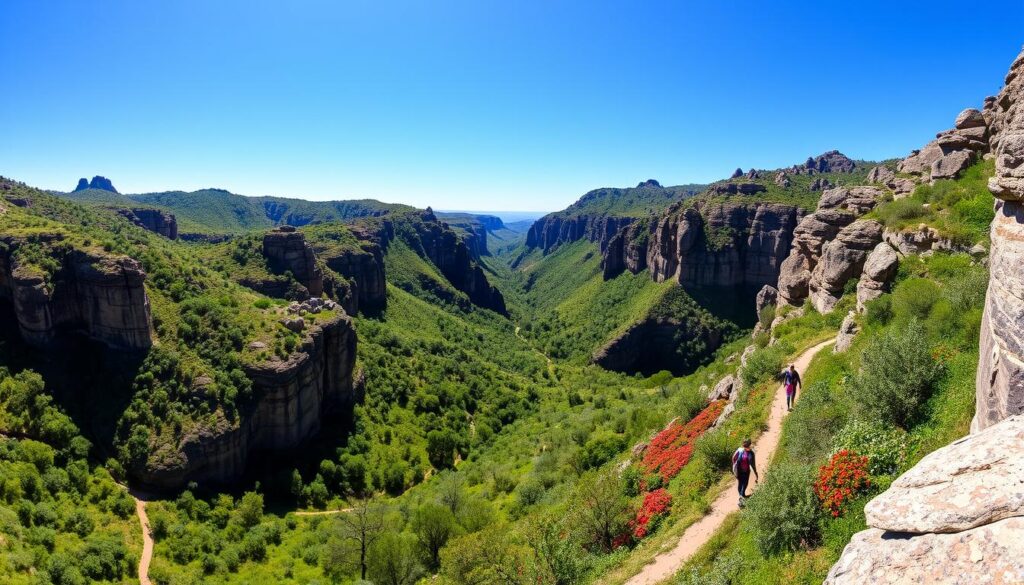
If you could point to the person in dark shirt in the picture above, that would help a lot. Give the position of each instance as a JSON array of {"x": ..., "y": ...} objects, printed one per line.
[
  {"x": 743, "y": 462},
  {"x": 791, "y": 379}
]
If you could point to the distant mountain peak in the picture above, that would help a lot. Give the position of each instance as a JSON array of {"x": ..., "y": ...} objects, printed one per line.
[
  {"x": 97, "y": 182},
  {"x": 648, "y": 183}
]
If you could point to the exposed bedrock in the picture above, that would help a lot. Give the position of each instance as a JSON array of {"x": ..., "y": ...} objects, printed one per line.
[
  {"x": 287, "y": 251},
  {"x": 291, "y": 398},
  {"x": 653, "y": 345},
  {"x": 553, "y": 230},
  {"x": 100, "y": 294},
  {"x": 154, "y": 220},
  {"x": 842, "y": 259}
]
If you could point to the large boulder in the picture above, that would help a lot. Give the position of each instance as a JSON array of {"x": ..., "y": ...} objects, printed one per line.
[
  {"x": 949, "y": 166},
  {"x": 847, "y": 331},
  {"x": 766, "y": 297},
  {"x": 858, "y": 200},
  {"x": 971, "y": 482},
  {"x": 992, "y": 554},
  {"x": 842, "y": 259},
  {"x": 879, "y": 271}
]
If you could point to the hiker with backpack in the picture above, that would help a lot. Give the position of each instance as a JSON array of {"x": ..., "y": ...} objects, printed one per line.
[
  {"x": 743, "y": 462},
  {"x": 791, "y": 379}
]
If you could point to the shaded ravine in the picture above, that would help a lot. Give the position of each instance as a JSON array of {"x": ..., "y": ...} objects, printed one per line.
[{"x": 668, "y": 563}]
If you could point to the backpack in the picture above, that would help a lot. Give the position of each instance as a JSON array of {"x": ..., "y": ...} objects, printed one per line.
[
  {"x": 788, "y": 377},
  {"x": 740, "y": 462}
]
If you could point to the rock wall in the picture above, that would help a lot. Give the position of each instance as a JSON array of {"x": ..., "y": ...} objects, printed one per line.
[
  {"x": 653, "y": 345},
  {"x": 713, "y": 245},
  {"x": 154, "y": 220},
  {"x": 291, "y": 398},
  {"x": 287, "y": 250},
  {"x": 553, "y": 230},
  {"x": 99, "y": 294}
]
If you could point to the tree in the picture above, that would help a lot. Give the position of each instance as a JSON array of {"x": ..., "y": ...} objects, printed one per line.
[
  {"x": 433, "y": 526},
  {"x": 558, "y": 551},
  {"x": 296, "y": 484},
  {"x": 441, "y": 446},
  {"x": 603, "y": 510},
  {"x": 392, "y": 560},
  {"x": 452, "y": 488},
  {"x": 359, "y": 528},
  {"x": 898, "y": 375},
  {"x": 496, "y": 555},
  {"x": 250, "y": 510}
]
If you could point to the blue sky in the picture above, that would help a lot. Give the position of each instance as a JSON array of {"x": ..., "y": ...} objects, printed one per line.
[{"x": 477, "y": 104}]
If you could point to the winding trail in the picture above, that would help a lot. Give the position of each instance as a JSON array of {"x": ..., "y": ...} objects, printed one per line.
[
  {"x": 668, "y": 563},
  {"x": 147, "y": 534}
]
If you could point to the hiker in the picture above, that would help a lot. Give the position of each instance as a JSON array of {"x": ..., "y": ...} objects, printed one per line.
[
  {"x": 791, "y": 379},
  {"x": 743, "y": 461}
]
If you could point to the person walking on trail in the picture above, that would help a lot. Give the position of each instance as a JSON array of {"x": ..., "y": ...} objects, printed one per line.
[
  {"x": 743, "y": 462},
  {"x": 791, "y": 379}
]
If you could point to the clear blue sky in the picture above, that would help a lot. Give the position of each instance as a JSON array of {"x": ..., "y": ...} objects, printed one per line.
[{"x": 477, "y": 104}]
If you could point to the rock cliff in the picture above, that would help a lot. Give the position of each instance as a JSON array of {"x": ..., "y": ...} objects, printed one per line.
[
  {"x": 287, "y": 251},
  {"x": 553, "y": 230},
  {"x": 100, "y": 294},
  {"x": 290, "y": 400},
  {"x": 97, "y": 182},
  {"x": 154, "y": 220},
  {"x": 660, "y": 343}
]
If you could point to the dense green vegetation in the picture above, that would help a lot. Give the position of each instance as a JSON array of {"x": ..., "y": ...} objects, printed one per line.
[
  {"x": 216, "y": 211},
  {"x": 639, "y": 201}
]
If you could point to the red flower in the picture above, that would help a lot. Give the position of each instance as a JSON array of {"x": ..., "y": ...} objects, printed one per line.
[
  {"x": 656, "y": 506},
  {"x": 672, "y": 448},
  {"x": 841, "y": 480}
]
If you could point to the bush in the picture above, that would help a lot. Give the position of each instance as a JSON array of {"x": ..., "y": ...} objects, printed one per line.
[
  {"x": 601, "y": 449},
  {"x": 818, "y": 416},
  {"x": 915, "y": 297},
  {"x": 841, "y": 481},
  {"x": 785, "y": 512},
  {"x": 885, "y": 447},
  {"x": 716, "y": 448},
  {"x": 764, "y": 364},
  {"x": 897, "y": 377},
  {"x": 691, "y": 401}
]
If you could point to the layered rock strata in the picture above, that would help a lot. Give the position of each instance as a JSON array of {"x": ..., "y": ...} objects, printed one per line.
[
  {"x": 154, "y": 220},
  {"x": 288, "y": 251},
  {"x": 100, "y": 294}
]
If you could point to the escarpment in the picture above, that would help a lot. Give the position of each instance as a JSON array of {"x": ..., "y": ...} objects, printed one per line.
[
  {"x": 100, "y": 294},
  {"x": 290, "y": 399},
  {"x": 677, "y": 344},
  {"x": 154, "y": 220},
  {"x": 287, "y": 251},
  {"x": 958, "y": 515},
  {"x": 551, "y": 231}
]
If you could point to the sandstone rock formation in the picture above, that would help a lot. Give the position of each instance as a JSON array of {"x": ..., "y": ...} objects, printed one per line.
[
  {"x": 768, "y": 296},
  {"x": 847, "y": 331},
  {"x": 154, "y": 220},
  {"x": 287, "y": 251},
  {"x": 291, "y": 397},
  {"x": 842, "y": 259},
  {"x": 99, "y": 294},
  {"x": 809, "y": 239},
  {"x": 553, "y": 230},
  {"x": 858, "y": 200},
  {"x": 879, "y": 271},
  {"x": 952, "y": 151}
]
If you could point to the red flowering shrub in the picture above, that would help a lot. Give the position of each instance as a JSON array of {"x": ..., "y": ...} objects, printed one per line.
[
  {"x": 841, "y": 480},
  {"x": 655, "y": 507},
  {"x": 672, "y": 448}
]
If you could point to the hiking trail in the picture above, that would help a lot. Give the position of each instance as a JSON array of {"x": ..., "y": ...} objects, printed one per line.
[{"x": 668, "y": 563}]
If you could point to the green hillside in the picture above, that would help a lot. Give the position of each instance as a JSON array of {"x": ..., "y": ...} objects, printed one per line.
[{"x": 647, "y": 197}]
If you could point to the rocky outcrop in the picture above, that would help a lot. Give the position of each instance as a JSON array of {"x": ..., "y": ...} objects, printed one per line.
[
  {"x": 287, "y": 251},
  {"x": 809, "y": 239},
  {"x": 768, "y": 296},
  {"x": 1000, "y": 379},
  {"x": 553, "y": 230},
  {"x": 97, "y": 182},
  {"x": 879, "y": 272},
  {"x": 832, "y": 161},
  {"x": 99, "y": 294},
  {"x": 952, "y": 151},
  {"x": 657, "y": 344},
  {"x": 154, "y": 220},
  {"x": 722, "y": 244},
  {"x": 291, "y": 397},
  {"x": 900, "y": 186},
  {"x": 364, "y": 270},
  {"x": 858, "y": 200},
  {"x": 842, "y": 259},
  {"x": 730, "y": 188}
]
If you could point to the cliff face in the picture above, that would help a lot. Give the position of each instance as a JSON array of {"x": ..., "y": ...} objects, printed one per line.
[
  {"x": 99, "y": 294},
  {"x": 287, "y": 250},
  {"x": 154, "y": 220},
  {"x": 656, "y": 344},
  {"x": 720, "y": 245},
  {"x": 553, "y": 230},
  {"x": 291, "y": 398},
  {"x": 958, "y": 515}
]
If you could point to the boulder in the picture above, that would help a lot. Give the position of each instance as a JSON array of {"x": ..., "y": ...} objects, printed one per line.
[
  {"x": 950, "y": 165},
  {"x": 726, "y": 413},
  {"x": 992, "y": 554},
  {"x": 879, "y": 271},
  {"x": 920, "y": 161},
  {"x": 723, "y": 389},
  {"x": 881, "y": 174},
  {"x": 767, "y": 296},
  {"x": 737, "y": 173},
  {"x": 969, "y": 483},
  {"x": 842, "y": 259},
  {"x": 858, "y": 200},
  {"x": 782, "y": 179},
  {"x": 847, "y": 331},
  {"x": 970, "y": 118}
]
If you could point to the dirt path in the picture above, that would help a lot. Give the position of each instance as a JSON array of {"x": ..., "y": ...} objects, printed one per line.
[
  {"x": 147, "y": 535},
  {"x": 324, "y": 512},
  {"x": 666, "y": 564}
]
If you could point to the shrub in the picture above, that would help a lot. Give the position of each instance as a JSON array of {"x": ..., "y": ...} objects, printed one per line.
[
  {"x": 672, "y": 448},
  {"x": 898, "y": 375},
  {"x": 841, "y": 480},
  {"x": 690, "y": 402},
  {"x": 818, "y": 416},
  {"x": 784, "y": 513},
  {"x": 601, "y": 449},
  {"x": 763, "y": 364},
  {"x": 716, "y": 448},
  {"x": 885, "y": 447},
  {"x": 915, "y": 297}
]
